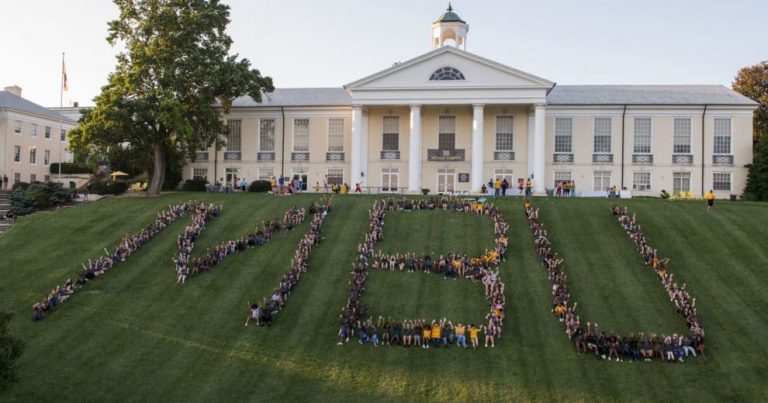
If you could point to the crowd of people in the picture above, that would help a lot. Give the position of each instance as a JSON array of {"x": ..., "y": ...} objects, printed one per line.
[
  {"x": 263, "y": 312},
  {"x": 684, "y": 303},
  {"x": 353, "y": 319},
  {"x": 610, "y": 345},
  {"x": 129, "y": 244},
  {"x": 186, "y": 265}
]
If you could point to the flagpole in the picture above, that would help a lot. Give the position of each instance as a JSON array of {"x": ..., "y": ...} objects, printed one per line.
[{"x": 61, "y": 106}]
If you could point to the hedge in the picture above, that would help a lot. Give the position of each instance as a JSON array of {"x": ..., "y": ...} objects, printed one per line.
[
  {"x": 71, "y": 168},
  {"x": 260, "y": 186},
  {"x": 195, "y": 185},
  {"x": 108, "y": 187}
]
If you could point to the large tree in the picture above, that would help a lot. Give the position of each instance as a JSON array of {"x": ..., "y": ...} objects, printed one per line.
[
  {"x": 752, "y": 82},
  {"x": 172, "y": 82},
  {"x": 10, "y": 351}
]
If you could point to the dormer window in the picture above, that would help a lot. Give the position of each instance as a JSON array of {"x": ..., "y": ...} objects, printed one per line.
[{"x": 447, "y": 73}]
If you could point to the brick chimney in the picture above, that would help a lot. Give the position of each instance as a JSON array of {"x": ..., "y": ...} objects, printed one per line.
[{"x": 14, "y": 89}]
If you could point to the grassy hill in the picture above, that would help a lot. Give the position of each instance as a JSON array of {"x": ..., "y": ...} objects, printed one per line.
[{"x": 135, "y": 335}]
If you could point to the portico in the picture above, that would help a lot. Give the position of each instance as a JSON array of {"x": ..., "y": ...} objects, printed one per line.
[{"x": 453, "y": 100}]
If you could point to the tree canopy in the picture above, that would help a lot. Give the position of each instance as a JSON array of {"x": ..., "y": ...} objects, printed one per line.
[
  {"x": 752, "y": 82},
  {"x": 171, "y": 83}
]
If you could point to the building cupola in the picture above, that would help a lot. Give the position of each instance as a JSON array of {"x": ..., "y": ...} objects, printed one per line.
[{"x": 449, "y": 30}]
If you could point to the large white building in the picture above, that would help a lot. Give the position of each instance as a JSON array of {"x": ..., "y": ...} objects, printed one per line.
[
  {"x": 32, "y": 137},
  {"x": 450, "y": 120}
]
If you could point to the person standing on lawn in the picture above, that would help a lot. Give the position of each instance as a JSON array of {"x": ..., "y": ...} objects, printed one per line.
[{"x": 710, "y": 197}]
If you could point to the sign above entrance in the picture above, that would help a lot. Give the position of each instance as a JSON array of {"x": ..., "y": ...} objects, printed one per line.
[
  {"x": 445, "y": 155},
  {"x": 463, "y": 177}
]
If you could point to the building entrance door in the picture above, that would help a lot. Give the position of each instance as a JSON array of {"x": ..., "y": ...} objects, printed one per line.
[{"x": 446, "y": 180}]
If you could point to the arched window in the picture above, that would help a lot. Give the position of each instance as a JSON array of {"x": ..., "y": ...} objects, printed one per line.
[{"x": 447, "y": 73}]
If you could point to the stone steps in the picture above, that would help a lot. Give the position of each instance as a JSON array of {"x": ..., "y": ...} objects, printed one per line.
[{"x": 5, "y": 205}]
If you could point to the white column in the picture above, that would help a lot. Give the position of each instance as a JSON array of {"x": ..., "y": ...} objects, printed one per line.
[
  {"x": 356, "y": 157},
  {"x": 364, "y": 152},
  {"x": 477, "y": 149},
  {"x": 531, "y": 142},
  {"x": 414, "y": 152},
  {"x": 539, "y": 180}
]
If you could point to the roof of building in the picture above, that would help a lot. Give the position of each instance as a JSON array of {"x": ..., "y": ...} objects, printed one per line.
[
  {"x": 450, "y": 16},
  {"x": 646, "y": 95},
  {"x": 298, "y": 97},
  {"x": 13, "y": 101}
]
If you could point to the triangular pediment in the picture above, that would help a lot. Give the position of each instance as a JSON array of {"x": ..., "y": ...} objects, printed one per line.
[{"x": 478, "y": 72}]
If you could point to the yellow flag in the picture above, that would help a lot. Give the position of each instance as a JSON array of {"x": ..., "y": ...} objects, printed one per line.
[{"x": 64, "y": 75}]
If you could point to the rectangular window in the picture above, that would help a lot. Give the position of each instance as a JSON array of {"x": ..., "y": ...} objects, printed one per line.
[
  {"x": 641, "y": 181},
  {"x": 562, "y": 176},
  {"x": 642, "y": 136},
  {"x": 504, "y": 136},
  {"x": 722, "y": 136},
  {"x": 234, "y": 135},
  {"x": 301, "y": 135},
  {"x": 681, "y": 182},
  {"x": 47, "y": 157},
  {"x": 335, "y": 176},
  {"x": 200, "y": 173},
  {"x": 266, "y": 173},
  {"x": 563, "y": 135},
  {"x": 267, "y": 135},
  {"x": 17, "y": 128},
  {"x": 602, "y": 181},
  {"x": 682, "y": 136},
  {"x": 17, "y": 154},
  {"x": 17, "y": 177},
  {"x": 391, "y": 133},
  {"x": 47, "y": 132},
  {"x": 721, "y": 181},
  {"x": 32, "y": 178},
  {"x": 63, "y": 135},
  {"x": 33, "y": 130},
  {"x": 447, "y": 133},
  {"x": 47, "y": 178},
  {"x": 390, "y": 178},
  {"x": 336, "y": 135},
  {"x": 33, "y": 156},
  {"x": 602, "y": 135}
]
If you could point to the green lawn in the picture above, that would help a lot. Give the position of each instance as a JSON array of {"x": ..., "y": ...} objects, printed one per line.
[
  {"x": 404, "y": 295},
  {"x": 135, "y": 335}
]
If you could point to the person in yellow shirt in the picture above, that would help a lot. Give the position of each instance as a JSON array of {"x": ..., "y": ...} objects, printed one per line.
[
  {"x": 473, "y": 335},
  {"x": 710, "y": 198},
  {"x": 436, "y": 334},
  {"x": 426, "y": 331},
  {"x": 317, "y": 186},
  {"x": 528, "y": 186},
  {"x": 497, "y": 187}
]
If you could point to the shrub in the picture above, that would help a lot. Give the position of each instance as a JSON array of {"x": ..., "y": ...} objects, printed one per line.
[
  {"x": 71, "y": 168},
  {"x": 195, "y": 185},
  {"x": 260, "y": 186},
  {"x": 22, "y": 185},
  {"x": 109, "y": 187},
  {"x": 28, "y": 199},
  {"x": 22, "y": 203}
]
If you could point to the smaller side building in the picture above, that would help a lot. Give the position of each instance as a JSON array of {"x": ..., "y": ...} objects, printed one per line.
[{"x": 32, "y": 137}]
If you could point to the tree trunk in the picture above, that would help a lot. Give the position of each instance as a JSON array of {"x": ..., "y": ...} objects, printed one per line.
[{"x": 158, "y": 169}]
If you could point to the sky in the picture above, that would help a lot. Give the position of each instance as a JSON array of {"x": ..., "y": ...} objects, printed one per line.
[{"x": 330, "y": 43}]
